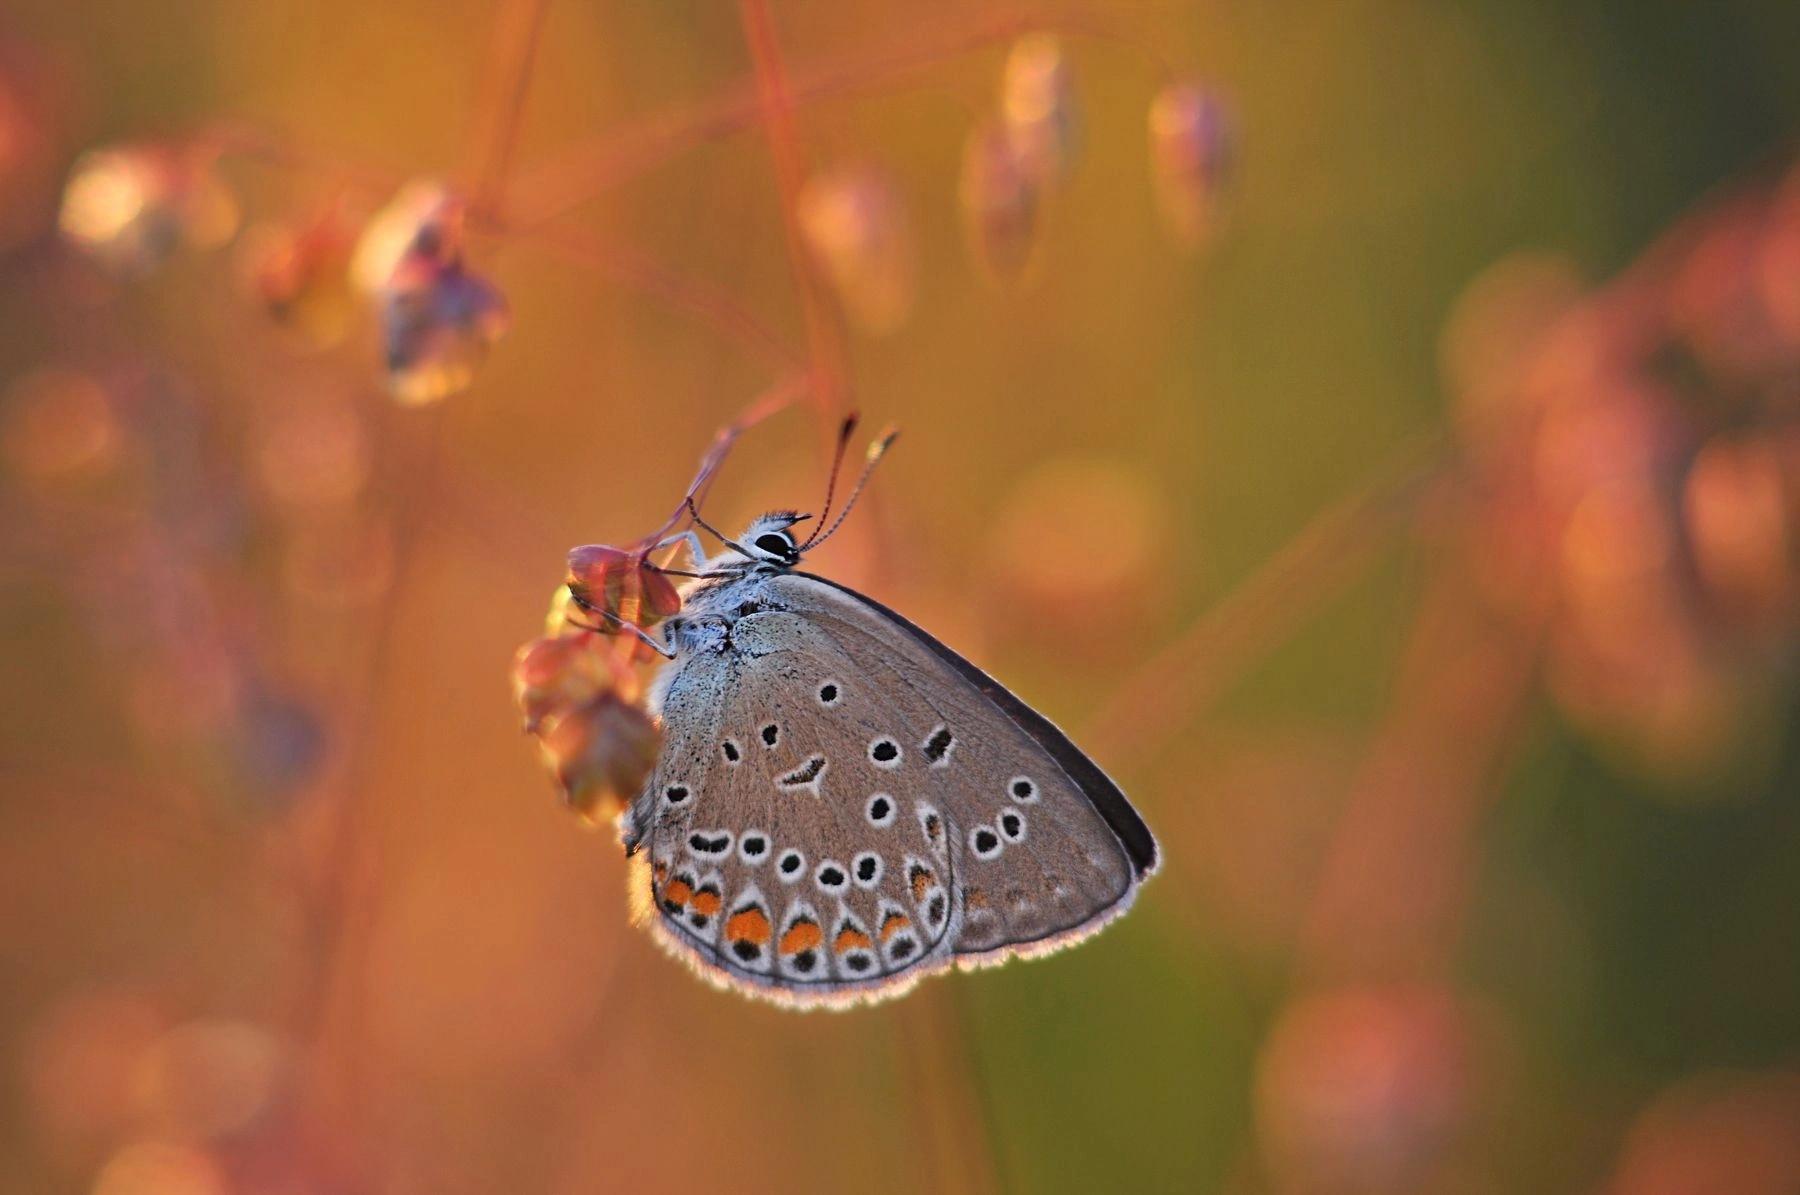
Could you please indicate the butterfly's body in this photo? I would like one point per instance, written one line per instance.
(843, 805)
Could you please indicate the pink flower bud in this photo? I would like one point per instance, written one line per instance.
(1738, 508)
(553, 676)
(622, 584)
(438, 323)
(1001, 198)
(438, 318)
(1038, 108)
(300, 274)
(1192, 154)
(131, 206)
(424, 220)
(1366, 1089)
(856, 227)
(602, 752)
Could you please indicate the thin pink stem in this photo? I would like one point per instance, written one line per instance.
(775, 104)
(1172, 689)
(520, 30)
(707, 303)
(591, 167)
(273, 147)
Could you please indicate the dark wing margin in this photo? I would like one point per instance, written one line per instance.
(1096, 785)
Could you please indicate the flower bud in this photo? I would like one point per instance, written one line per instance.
(554, 675)
(1037, 107)
(602, 752)
(438, 323)
(424, 220)
(622, 584)
(300, 275)
(438, 318)
(1738, 509)
(1192, 153)
(1001, 199)
(60, 426)
(857, 229)
(131, 206)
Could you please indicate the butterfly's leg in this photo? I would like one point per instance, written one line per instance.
(696, 550)
(666, 651)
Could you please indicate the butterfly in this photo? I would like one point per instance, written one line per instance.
(842, 804)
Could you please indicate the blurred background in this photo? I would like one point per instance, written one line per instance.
(1371, 428)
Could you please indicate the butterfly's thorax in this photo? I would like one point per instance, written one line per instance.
(710, 610)
(720, 597)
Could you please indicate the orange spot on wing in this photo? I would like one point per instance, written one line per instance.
(894, 924)
(851, 939)
(749, 925)
(706, 901)
(802, 935)
(680, 891)
(921, 880)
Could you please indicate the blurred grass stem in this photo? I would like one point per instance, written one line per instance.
(1180, 681)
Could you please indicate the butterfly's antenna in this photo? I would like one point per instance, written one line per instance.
(694, 513)
(877, 450)
(837, 461)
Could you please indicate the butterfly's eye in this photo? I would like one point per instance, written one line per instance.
(777, 544)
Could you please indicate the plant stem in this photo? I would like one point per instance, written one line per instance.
(519, 30)
(614, 157)
(775, 104)
(1172, 689)
(708, 304)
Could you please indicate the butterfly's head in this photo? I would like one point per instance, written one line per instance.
(770, 539)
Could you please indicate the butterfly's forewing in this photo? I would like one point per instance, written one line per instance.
(1045, 847)
(908, 811)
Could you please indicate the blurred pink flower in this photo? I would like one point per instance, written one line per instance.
(1193, 155)
(856, 226)
(1001, 201)
(1366, 1089)
(1038, 107)
(1719, 1134)
(130, 206)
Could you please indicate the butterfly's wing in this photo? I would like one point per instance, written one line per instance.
(908, 812)
(780, 859)
(1044, 847)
